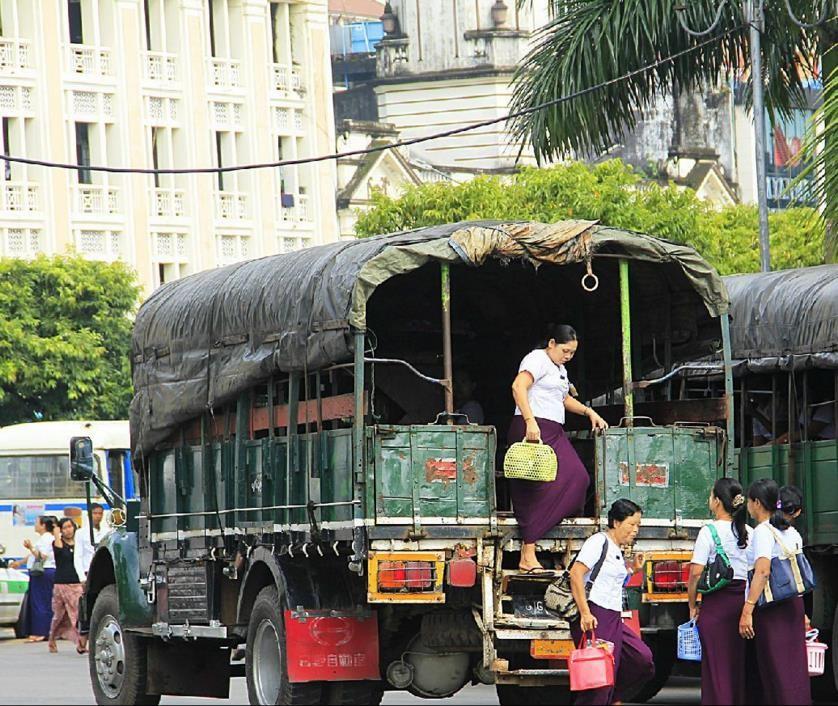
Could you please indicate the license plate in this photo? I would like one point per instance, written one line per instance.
(551, 649)
(530, 607)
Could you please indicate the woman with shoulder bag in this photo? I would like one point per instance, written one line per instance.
(720, 576)
(41, 566)
(776, 627)
(601, 603)
(541, 391)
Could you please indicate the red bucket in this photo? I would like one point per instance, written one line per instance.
(591, 665)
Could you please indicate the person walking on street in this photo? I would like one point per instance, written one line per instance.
(68, 587)
(541, 391)
(41, 565)
(722, 648)
(777, 629)
(601, 609)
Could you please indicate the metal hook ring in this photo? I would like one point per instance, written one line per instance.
(593, 287)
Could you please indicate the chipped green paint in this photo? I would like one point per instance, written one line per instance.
(668, 471)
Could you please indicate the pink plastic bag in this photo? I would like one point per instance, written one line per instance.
(591, 665)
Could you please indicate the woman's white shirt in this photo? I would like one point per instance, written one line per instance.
(705, 548)
(44, 546)
(550, 386)
(764, 544)
(607, 590)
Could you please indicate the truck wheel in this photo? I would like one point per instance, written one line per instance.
(266, 665)
(20, 625)
(117, 659)
(512, 695)
(352, 693)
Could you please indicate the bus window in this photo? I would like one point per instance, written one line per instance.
(36, 477)
(115, 472)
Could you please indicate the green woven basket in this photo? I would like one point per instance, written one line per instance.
(531, 461)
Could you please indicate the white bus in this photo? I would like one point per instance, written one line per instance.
(35, 476)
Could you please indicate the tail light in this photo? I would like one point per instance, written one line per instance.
(408, 577)
(405, 575)
(670, 576)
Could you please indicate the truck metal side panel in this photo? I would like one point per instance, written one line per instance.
(668, 471)
(424, 472)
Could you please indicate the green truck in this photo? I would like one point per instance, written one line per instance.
(784, 342)
(312, 501)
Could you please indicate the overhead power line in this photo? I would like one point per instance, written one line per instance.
(379, 148)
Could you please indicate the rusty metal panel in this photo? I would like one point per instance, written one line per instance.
(668, 471)
(425, 473)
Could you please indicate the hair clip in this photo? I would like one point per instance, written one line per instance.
(739, 500)
(779, 504)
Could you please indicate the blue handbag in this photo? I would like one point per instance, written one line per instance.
(791, 575)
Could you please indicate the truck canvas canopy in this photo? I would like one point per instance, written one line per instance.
(200, 341)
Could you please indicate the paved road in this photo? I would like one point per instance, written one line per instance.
(29, 673)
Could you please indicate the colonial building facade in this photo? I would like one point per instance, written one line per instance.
(165, 84)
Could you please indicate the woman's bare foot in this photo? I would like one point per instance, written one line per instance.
(528, 561)
(53, 647)
(35, 638)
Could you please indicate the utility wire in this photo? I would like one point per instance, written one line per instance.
(380, 148)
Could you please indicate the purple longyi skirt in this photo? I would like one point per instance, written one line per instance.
(780, 637)
(541, 506)
(722, 649)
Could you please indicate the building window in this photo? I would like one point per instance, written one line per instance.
(232, 248)
(170, 254)
(76, 29)
(99, 244)
(83, 152)
(21, 242)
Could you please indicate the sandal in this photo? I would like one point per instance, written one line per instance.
(81, 650)
(35, 638)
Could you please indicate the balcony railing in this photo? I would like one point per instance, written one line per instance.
(230, 206)
(160, 67)
(167, 203)
(294, 208)
(14, 55)
(96, 200)
(286, 78)
(19, 197)
(89, 61)
(224, 73)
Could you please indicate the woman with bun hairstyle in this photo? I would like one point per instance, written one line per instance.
(601, 609)
(541, 391)
(777, 629)
(722, 649)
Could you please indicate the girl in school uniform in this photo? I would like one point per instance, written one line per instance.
(722, 649)
(601, 609)
(778, 629)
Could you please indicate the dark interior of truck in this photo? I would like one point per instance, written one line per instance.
(499, 312)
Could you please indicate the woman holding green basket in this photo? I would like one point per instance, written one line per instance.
(541, 391)
(719, 570)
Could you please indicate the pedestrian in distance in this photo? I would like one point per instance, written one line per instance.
(777, 629)
(601, 609)
(68, 587)
(541, 391)
(41, 565)
(83, 556)
(722, 648)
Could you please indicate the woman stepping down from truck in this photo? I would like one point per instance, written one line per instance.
(541, 391)
(597, 578)
(722, 649)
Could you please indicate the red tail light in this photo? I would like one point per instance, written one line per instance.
(670, 576)
(405, 575)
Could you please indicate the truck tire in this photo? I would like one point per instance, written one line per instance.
(266, 666)
(117, 659)
(352, 693)
(20, 625)
(512, 695)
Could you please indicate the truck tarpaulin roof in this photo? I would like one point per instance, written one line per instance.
(785, 320)
(201, 340)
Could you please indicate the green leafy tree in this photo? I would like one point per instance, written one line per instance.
(65, 339)
(614, 194)
(589, 43)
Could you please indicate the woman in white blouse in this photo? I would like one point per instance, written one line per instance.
(541, 391)
(597, 578)
(39, 602)
(779, 629)
(722, 649)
